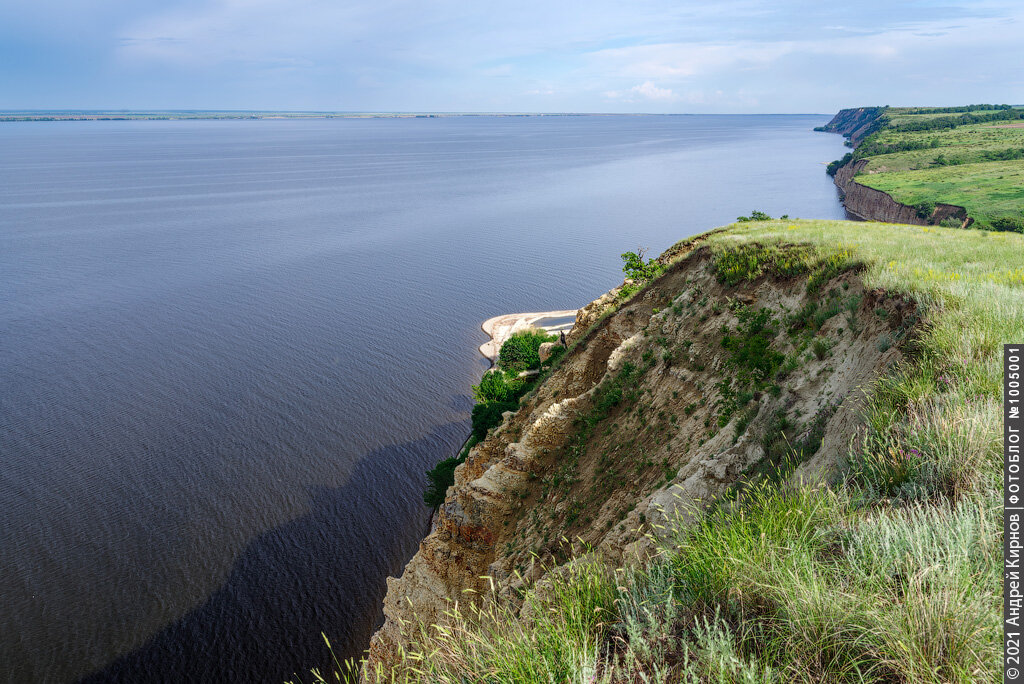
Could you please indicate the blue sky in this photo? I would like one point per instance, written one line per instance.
(526, 55)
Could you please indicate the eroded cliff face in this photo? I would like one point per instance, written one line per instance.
(874, 205)
(856, 123)
(639, 422)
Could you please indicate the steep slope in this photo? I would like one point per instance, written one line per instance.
(739, 363)
(874, 205)
(856, 124)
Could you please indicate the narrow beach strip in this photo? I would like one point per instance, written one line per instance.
(501, 327)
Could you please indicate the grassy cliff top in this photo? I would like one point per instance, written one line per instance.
(973, 280)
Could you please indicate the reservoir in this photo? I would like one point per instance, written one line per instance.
(229, 351)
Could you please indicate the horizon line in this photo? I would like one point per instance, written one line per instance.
(367, 113)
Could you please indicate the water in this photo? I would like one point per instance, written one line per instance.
(230, 349)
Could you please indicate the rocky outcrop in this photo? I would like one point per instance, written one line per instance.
(856, 124)
(870, 204)
(635, 424)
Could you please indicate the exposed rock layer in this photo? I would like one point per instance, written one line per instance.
(874, 205)
(855, 124)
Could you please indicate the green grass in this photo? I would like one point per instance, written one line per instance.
(892, 574)
(965, 144)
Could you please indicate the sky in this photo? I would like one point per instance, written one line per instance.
(657, 56)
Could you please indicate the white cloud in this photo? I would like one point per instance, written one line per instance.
(653, 92)
(646, 90)
(582, 55)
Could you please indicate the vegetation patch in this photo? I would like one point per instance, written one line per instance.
(748, 261)
(638, 272)
(500, 390)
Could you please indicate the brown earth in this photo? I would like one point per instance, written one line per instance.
(538, 481)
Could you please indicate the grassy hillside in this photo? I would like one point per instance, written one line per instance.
(971, 159)
(891, 573)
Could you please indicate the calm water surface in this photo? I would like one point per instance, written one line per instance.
(230, 349)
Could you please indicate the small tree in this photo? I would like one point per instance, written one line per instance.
(638, 271)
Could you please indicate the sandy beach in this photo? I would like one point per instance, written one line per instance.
(501, 327)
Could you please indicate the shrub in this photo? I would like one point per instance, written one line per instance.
(834, 166)
(1011, 224)
(439, 479)
(488, 415)
(638, 271)
(520, 351)
(754, 216)
(496, 385)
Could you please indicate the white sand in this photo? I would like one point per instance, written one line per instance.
(501, 327)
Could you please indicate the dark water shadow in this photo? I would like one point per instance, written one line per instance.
(324, 571)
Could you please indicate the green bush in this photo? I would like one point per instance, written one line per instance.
(925, 209)
(1011, 224)
(439, 479)
(520, 351)
(637, 270)
(488, 415)
(496, 385)
(834, 166)
(754, 216)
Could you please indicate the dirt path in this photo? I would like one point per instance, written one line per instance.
(501, 327)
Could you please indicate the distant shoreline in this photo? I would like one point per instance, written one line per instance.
(193, 115)
(190, 115)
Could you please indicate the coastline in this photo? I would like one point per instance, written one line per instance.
(500, 328)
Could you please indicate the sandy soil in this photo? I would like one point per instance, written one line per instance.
(501, 327)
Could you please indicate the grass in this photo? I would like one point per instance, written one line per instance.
(964, 145)
(892, 574)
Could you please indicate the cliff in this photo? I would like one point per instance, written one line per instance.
(702, 381)
(870, 204)
(856, 124)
